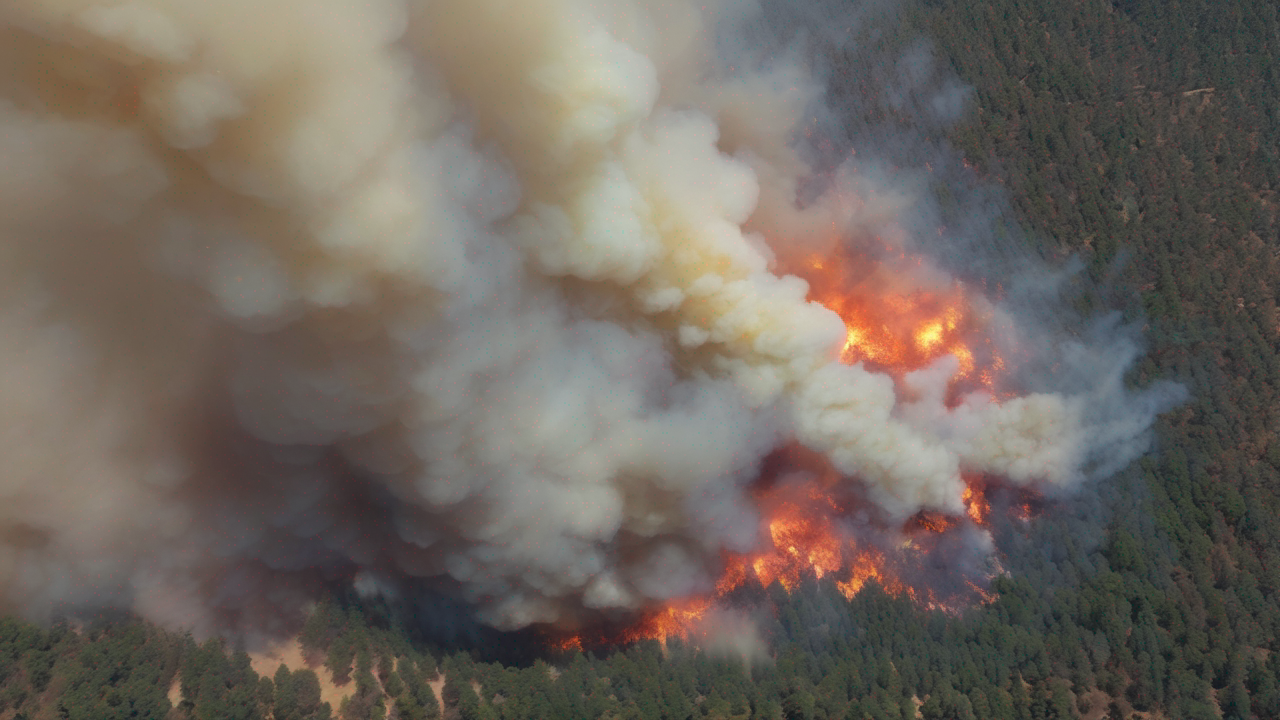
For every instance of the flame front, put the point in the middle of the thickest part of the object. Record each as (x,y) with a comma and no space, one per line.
(976,504)
(805,540)
(675,620)
(898,327)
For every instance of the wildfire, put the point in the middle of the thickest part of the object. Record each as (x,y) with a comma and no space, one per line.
(897,327)
(1026,510)
(805,540)
(569,643)
(976,504)
(674,620)
(932,522)
(870,565)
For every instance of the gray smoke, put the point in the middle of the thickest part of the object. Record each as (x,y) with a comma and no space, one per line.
(471,291)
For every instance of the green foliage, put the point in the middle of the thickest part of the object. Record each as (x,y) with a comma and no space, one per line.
(297,695)
(118,672)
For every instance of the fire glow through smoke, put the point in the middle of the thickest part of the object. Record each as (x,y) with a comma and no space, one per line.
(562,313)
(897,329)
(897,326)
(805,541)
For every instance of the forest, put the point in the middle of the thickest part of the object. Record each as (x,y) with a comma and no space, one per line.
(1142,136)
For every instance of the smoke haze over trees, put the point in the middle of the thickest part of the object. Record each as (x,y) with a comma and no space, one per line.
(1132,135)
(505,307)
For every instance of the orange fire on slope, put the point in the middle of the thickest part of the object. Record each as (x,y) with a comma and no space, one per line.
(897,322)
(976,505)
(897,326)
(805,540)
(675,620)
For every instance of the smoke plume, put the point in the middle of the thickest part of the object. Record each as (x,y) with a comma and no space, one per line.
(493,296)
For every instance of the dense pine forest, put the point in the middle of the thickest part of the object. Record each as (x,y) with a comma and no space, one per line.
(1142,136)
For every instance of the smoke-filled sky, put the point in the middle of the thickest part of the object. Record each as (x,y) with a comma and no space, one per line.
(489,294)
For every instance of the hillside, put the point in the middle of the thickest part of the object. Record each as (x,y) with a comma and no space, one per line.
(1138,135)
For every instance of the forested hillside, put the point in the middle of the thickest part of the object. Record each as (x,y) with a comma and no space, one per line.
(1142,136)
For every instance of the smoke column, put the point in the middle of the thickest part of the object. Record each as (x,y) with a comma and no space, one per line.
(487,294)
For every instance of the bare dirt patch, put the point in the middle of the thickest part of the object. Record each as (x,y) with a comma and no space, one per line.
(175,691)
(266,661)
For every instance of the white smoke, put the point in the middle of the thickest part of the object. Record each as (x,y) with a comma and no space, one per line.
(293,291)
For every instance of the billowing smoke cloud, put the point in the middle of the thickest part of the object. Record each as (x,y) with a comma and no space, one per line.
(484,293)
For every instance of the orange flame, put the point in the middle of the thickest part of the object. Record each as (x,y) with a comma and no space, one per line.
(932,522)
(898,326)
(675,620)
(568,643)
(805,541)
(976,504)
